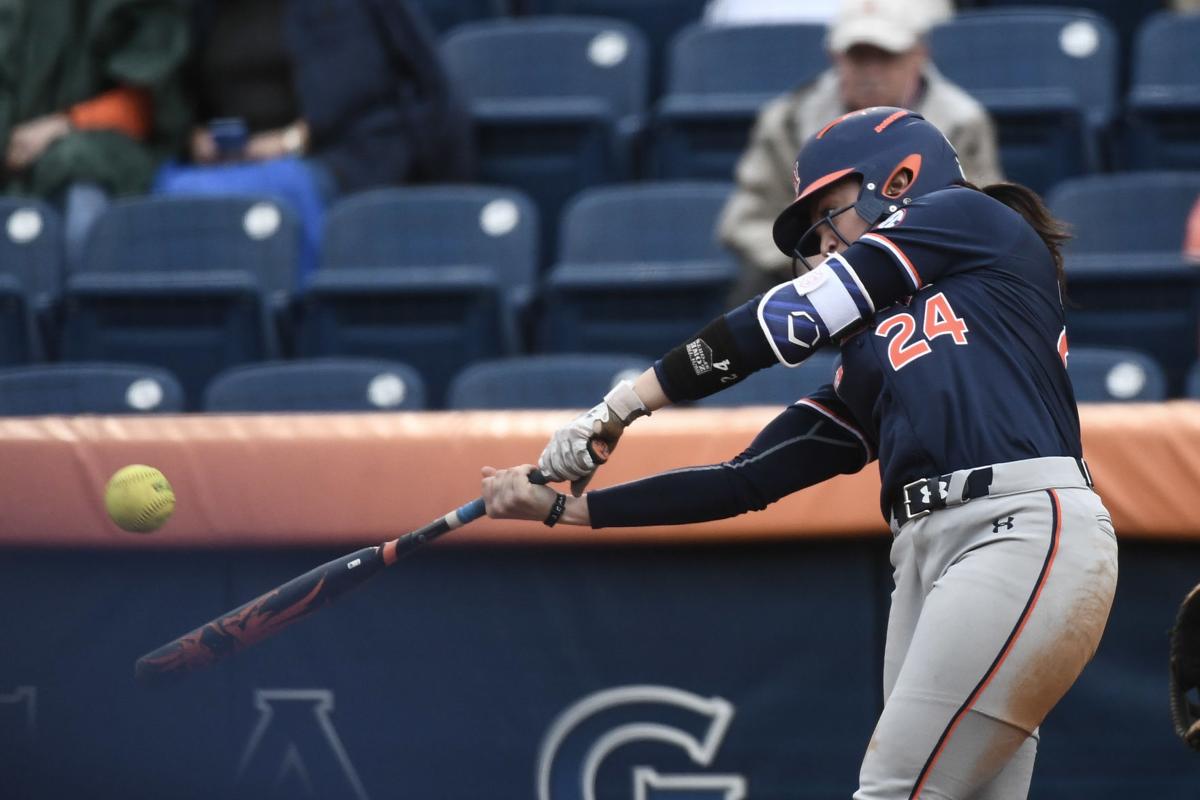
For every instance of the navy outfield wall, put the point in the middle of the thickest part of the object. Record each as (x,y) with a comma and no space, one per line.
(526,672)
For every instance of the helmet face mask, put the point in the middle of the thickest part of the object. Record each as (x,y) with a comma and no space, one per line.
(877,145)
(809,244)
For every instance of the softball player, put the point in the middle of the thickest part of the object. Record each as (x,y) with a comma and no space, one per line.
(945,303)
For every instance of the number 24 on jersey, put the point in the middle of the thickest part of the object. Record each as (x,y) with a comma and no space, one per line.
(940,320)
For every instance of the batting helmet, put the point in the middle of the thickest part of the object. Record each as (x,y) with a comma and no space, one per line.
(875,144)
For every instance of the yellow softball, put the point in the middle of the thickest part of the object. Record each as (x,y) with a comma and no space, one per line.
(139,498)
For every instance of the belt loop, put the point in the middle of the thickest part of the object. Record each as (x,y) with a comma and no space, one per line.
(1087,474)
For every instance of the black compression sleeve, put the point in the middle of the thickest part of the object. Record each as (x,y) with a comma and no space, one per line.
(798,448)
(717,357)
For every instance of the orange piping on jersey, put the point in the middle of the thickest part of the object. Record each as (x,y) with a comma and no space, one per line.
(880,127)
(822,410)
(1056,534)
(1063,349)
(821,183)
(912,164)
(913,275)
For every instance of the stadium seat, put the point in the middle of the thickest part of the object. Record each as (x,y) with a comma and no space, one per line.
(659,20)
(639,269)
(435,277)
(88,389)
(1048,78)
(446,14)
(1112,375)
(1164,99)
(778,385)
(189,284)
(558,381)
(31,263)
(565,112)
(718,80)
(1192,389)
(1127,282)
(322,384)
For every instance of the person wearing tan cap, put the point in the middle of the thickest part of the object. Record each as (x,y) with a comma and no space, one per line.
(879,58)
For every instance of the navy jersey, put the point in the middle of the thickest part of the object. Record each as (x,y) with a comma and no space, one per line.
(967,370)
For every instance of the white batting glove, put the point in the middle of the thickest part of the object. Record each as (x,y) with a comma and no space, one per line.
(579,447)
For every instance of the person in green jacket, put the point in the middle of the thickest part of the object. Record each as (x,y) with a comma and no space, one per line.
(89,100)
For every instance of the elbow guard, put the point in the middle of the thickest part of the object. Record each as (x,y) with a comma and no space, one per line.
(800,316)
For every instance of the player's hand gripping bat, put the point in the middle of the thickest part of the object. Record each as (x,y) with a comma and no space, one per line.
(273,611)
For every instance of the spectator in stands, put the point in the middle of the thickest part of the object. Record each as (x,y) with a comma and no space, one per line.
(879,59)
(1191,242)
(91,101)
(1185,5)
(307,99)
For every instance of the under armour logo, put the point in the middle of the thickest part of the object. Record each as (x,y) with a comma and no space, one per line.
(1007,523)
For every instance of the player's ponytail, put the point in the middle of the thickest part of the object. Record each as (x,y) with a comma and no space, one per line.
(1028,204)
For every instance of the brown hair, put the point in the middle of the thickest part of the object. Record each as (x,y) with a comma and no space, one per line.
(1053,232)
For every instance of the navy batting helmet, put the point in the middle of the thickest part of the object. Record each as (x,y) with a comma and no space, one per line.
(875,144)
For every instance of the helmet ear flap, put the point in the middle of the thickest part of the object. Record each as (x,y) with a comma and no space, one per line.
(902,177)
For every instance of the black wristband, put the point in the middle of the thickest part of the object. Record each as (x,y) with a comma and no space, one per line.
(556,510)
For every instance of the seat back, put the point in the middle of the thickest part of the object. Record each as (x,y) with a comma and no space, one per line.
(436,226)
(641,223)
(31,249)
(572,381)
(1026,50)
(1126,213)
(549,58)
(333,384)
(1108,375)
(757,60)
(89,389)
(165,234)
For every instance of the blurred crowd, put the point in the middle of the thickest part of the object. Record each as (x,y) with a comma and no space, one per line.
(307,100)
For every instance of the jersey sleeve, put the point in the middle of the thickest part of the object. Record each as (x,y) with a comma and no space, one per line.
(809,442)
(940,234)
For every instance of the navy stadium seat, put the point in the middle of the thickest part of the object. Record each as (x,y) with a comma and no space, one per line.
(31,263)
(1127,282)
(565,111)
(718,80)
(1164,99)
(446,14)
(321,384)
(1111,375)
(88,389)
(639,269)
(432,276)
(659,20)
(778,385)
(191,284)
(1049,80)
(1192,388)
(557,381)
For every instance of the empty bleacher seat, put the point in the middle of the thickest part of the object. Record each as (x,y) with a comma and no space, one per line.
(558,102)
(639,269)
(659,20)
(718,80)
(1108,375)
(778,385)
(333,384)
(559,381)
(189,284)
(446,14)
(432,276)
(31,263)
(1127,282)
(1048,78)
(1164,99)
(87,388)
